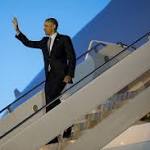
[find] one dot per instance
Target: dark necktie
(49, 44)
(48, 47)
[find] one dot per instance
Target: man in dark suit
(59, 61)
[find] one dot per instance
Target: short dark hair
(53, 20)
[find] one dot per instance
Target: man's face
(49, 27)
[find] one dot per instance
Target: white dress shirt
(52, 38)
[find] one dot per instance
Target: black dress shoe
(67, 133)
(55, 140)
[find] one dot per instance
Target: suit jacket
(62, 58)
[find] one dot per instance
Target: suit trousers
(53, 87)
